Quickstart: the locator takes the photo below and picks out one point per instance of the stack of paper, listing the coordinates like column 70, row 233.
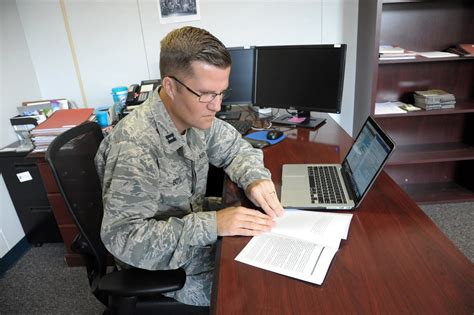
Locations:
column 437, row 54
column 434, row 99
column 60, row 121
column 389, row 108
column 301, row 245
column 388, row 52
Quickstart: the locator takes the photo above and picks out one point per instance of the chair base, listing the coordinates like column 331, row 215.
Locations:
column 150, row 305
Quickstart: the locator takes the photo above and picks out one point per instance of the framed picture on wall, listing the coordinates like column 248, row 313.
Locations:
column 173, row 11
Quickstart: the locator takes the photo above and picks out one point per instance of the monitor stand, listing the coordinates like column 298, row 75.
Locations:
column 308, row 122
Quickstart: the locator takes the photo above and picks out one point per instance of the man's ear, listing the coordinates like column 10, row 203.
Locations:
column 168, row 84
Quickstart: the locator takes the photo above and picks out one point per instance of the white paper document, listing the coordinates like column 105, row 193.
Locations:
column 437, row 54
column 389, row 108
column 301, row 245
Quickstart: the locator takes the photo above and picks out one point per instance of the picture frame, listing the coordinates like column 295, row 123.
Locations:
column 175, row 11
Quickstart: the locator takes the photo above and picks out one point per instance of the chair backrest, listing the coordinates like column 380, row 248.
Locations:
column 71, row 158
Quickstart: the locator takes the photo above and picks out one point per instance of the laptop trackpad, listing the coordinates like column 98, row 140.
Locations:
column 296, row 183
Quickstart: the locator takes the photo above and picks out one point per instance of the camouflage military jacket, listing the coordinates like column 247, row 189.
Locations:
column 154, row 180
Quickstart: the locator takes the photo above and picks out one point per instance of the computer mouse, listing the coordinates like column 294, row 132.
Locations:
column 274, row 134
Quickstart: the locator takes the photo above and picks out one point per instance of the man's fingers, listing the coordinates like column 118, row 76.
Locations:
column 254, row 226
column 246, row 232
column 242, row 221
column 253, row 220
column 270, row 204
column 253, row 213
column 259, row 220
column 275, row 204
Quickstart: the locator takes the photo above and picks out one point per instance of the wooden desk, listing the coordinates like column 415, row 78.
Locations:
column 394, row 261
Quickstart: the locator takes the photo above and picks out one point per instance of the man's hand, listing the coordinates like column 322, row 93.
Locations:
column 262, row 193
column 242, row 221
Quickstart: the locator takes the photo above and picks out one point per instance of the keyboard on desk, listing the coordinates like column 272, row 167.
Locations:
column 242, row 126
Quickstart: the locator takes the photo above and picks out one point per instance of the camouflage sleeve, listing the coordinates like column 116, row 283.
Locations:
column 134, row 228
column 241, row 162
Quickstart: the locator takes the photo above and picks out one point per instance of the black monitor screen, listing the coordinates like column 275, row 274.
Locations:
column 306, row 78
column 241, row 76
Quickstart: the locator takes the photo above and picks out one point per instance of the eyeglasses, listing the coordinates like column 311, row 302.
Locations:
column 205, row 97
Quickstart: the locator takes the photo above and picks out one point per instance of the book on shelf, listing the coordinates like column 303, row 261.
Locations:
column 450, row 105
column 301, row 245
column 397, row 56
column 422, row 101
column 437, row 54
column 435, row 96
column 468, row 48
column 434, row 99
column 389, row 49
column 465, row 50
column 428, row 106
column 387, row 52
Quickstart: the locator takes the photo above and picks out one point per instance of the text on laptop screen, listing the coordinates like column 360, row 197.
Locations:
column 365, row 158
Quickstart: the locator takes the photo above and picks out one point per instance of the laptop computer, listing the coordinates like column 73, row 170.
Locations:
column 349, row 182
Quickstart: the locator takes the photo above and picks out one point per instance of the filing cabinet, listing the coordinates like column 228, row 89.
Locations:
column 25, row 186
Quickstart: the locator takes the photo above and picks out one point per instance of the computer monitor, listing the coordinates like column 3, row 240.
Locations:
column 306, row 78
column 241, row 79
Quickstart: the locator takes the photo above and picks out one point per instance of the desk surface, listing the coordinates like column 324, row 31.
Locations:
column 395, row 259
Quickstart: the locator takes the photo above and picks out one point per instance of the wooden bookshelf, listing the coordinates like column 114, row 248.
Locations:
column 431, row 153
column 434, row 158
column 424, row 59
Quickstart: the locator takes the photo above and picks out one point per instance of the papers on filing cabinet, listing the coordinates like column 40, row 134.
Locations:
column 301, row 245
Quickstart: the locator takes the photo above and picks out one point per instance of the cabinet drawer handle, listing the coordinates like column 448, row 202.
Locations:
column 18, row 165
column 40, row 209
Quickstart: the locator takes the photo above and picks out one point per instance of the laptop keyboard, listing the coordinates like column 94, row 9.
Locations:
column 325, row 185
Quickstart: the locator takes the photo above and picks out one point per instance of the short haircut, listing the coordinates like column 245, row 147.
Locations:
column 187, row 44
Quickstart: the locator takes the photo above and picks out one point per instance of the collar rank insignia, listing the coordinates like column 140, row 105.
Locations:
column 171, row 138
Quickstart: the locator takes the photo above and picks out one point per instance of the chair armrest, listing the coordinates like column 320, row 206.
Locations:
column 140, row 282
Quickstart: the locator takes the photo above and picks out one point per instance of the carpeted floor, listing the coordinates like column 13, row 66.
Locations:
column 41, row 283
column 456, row 220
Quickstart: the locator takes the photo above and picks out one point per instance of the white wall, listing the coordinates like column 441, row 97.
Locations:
column 117, row 42
column 339, row 20
column 46, row 38
column 18, row 83
column 111, row 43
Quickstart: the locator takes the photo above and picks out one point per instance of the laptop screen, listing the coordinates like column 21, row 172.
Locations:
column 367, row 156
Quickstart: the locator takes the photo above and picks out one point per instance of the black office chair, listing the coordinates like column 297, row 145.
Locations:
column 71, row 157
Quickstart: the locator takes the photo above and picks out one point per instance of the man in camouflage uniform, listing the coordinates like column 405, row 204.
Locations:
column 154, row 166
